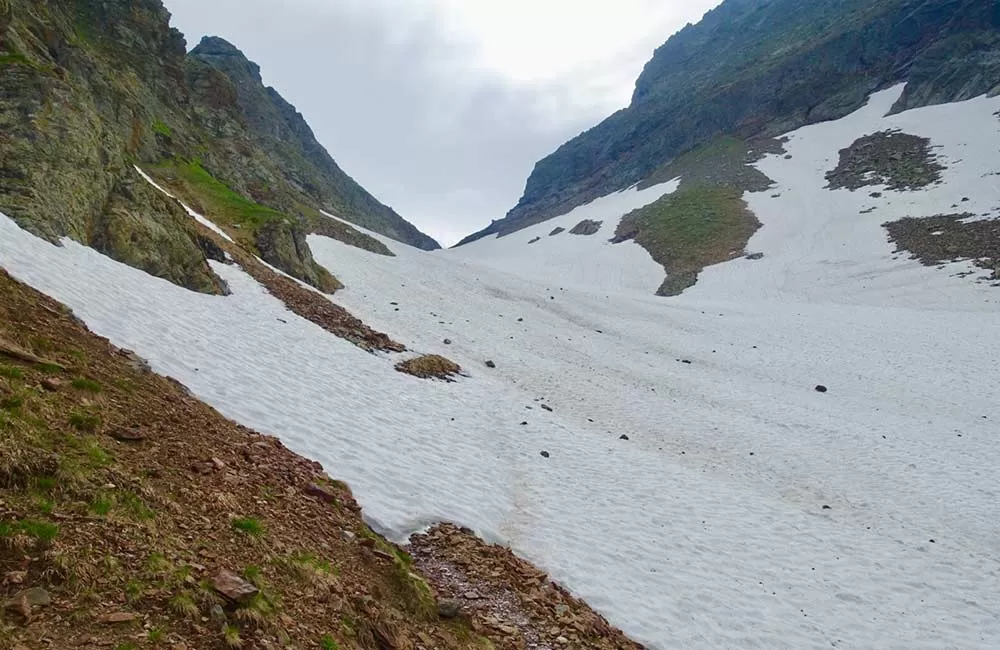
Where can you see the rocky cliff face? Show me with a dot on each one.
(755, 68)
(275, 126)
(89, 88)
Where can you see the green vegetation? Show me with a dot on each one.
(11, 403)
(15, 59)
(722, 161)
(86, 385)
(215, 198)
(328, 643)
(41, 531)
(249, 525)
(85, 422)
(231, 635)
(689, 230)
(183, 604)
(161, 128)
(10, 372)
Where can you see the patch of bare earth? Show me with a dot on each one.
(430, 366)
(897, 160)
(941, 239)
(134, 516)
(507, 599)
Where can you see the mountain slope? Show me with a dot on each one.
(757, 68)
(276, 127)
(89, 89)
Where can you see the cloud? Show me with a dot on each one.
(441, 108)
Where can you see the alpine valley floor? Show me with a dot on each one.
(745, 509)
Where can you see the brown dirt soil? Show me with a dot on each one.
(430, 366)
(978, 241)
(507, 597)
(124, 498)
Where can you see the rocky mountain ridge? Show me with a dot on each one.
(758, 68)
(90, 89)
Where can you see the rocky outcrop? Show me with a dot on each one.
(754, 68)
(277, 127)
(90, 88)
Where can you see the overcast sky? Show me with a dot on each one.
(440, 108)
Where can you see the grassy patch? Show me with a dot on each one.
(161, 128)
(216, 199)
(248, 525)
(328, 643)
(231, 635)
(724, 161)
(86, 385)
(41, 531)
(689, 230)
(11, 403)
(86, 422)
(15, 59)
(184, 605)
(10, 372)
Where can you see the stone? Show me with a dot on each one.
(320, 492)
(23, 602)
(623, 437)
(449, 608)
(128, 435)
(447, 341)
(51, 384)
(546, 454)
(15, 577)
(233, 587)
(491, 364)
(546, 407)
(821, 388)
(117, 618)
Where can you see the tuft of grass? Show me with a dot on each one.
(10, 372)
(11, 403)
(133, 590)
(231, 635)
(135, 507)
(84, 422)
(328, 643)
(183, 604)
(86, 385)
(248, 525)
(254, 576)
(258, 611)
(155, 635)
(126, 646)
(42, 531)
(97, 455)
(101, 506)
(158, 564)
(162, 128)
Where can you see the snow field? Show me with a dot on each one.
(707, 528)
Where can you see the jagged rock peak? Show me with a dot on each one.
(220, 53)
